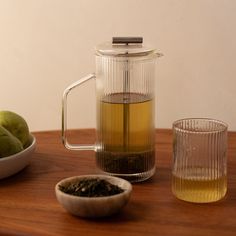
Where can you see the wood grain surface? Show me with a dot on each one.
(28, 205)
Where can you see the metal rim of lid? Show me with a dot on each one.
(124, 50)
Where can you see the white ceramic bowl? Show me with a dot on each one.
(93, 207)
(12, 164)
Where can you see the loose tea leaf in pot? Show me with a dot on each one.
(91, 188)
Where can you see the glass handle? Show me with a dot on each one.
(64, 116)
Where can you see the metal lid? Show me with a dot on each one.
(125, 46)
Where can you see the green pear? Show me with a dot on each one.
(16, 125)
(9, 144)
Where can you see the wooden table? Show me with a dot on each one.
(28, 205)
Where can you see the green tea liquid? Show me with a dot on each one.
(126, 135)
(198, 186)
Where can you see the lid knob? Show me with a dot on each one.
(127, 40)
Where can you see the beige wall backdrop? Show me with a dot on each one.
(45, 45)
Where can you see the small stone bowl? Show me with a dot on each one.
(12, 164)
(94, 207)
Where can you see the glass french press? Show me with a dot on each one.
(125, 88)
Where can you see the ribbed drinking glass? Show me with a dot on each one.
(199, 171)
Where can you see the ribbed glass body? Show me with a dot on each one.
(199, 172)
(125, 116)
